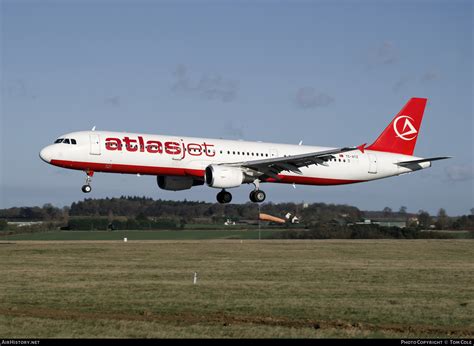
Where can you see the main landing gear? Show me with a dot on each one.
(87, 187)
(224, 197)
(256, 196)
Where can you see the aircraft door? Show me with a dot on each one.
(95, 144)
(372, 163)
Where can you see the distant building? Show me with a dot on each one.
(413, 221)
(383, 223)
(391, 223)
(292, 219)
(24, 223)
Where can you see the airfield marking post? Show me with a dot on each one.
(125, 240)
(258, 221)
(195, 278)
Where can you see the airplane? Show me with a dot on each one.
(179, 163)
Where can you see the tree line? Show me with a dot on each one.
(141, 212)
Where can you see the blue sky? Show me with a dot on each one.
(328, 73)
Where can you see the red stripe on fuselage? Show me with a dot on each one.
(128, 169)
(198, 173)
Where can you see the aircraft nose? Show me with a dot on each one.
(46, 154)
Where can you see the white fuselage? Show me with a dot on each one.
(118, 152)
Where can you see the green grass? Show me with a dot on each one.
(456, 234)
(142, 235)
(249, 288)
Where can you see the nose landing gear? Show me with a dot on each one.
(87, 187)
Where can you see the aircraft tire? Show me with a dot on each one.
(258, 196)
(224, 197)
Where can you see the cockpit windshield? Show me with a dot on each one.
(65, 141)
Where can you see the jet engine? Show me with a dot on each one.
(224, 177)
(173, 183)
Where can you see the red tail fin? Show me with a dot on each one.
(401, 135)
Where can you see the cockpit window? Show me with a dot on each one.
(66, 141)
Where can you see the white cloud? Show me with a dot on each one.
(209, 86)
(429, 76)
(460, 172)
(387, 53)
(308, 97)
(112, 101)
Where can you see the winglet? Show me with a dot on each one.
(362, 147)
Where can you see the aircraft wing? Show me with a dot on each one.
(273, 166)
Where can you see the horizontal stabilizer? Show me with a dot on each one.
(429, 159)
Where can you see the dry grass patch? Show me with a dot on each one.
(364, 288)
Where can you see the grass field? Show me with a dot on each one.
(248, 288)
(142, 235)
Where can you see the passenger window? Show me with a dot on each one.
(66, 141)
(73, 141)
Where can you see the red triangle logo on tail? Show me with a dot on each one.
(401, 135)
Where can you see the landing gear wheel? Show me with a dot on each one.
(224, 197)
(87, 187)
(257, 196)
